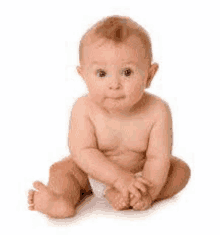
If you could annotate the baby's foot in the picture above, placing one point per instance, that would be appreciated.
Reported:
(143, 204)
(48, 202)
(116, 199)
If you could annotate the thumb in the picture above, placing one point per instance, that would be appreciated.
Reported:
(145, 181)
(134, 201)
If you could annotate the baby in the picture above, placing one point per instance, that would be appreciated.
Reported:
(120, 136)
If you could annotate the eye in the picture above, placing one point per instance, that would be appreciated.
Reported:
(101, 73)
(127, 72)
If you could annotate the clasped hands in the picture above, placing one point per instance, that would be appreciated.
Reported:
(135, 191)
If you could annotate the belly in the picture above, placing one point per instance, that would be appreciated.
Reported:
(128, 160)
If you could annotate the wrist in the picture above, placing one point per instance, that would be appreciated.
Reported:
(117, 183)
(121, 179)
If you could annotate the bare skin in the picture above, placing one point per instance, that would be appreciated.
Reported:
(45, 199)
(66, 176)
(177, 179)
(121, 130)
(67, 187)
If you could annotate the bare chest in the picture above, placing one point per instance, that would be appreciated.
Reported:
(123, 141)
(115, 137)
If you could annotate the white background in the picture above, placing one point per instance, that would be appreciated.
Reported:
(39, 84)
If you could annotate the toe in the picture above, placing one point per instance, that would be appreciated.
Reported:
(122, 202)
(31, 197)
(116, 206)
(31, 208)
(39, 186)
(30, 201)
(125, 204)
(137, 206)
(30, 194)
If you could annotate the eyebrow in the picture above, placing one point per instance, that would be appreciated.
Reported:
(96, 62)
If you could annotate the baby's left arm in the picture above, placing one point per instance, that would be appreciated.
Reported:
(159, 150)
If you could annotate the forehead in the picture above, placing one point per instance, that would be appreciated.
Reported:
(122, 62)
(107, 52)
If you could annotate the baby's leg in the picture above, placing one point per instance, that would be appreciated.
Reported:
(67, 186)
(177, 179)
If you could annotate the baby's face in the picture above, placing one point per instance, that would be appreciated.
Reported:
(116, 76)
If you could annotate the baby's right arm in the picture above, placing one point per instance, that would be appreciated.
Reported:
(84, 149)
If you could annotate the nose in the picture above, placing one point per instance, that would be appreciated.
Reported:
(114, 83)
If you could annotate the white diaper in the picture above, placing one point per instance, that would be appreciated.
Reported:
(98, 188)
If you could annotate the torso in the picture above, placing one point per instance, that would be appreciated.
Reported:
(125, 141)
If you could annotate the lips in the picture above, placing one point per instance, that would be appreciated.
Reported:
(116, 97)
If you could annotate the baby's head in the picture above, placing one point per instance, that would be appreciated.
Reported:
(116, 63)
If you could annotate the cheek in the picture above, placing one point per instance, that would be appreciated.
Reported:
(95, 91)
(92, 86)
(136, 89)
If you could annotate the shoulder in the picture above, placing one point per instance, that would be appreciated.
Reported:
(81, 106)
(160, 107)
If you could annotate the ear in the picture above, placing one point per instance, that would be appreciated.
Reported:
(80, 71)
(152, 71)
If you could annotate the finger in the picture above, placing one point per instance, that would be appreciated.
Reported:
(134, 201)
(141, 186)
(145, 181)
(138, 205)
(135, 192)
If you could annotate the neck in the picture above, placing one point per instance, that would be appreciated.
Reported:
(120, 114)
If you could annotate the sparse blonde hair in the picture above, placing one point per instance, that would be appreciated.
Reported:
(117, 29)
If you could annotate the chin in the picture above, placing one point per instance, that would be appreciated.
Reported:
(118, 107)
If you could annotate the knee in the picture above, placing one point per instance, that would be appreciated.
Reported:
(65, 165)
(57, 167)
(184, 172)
(187, 170)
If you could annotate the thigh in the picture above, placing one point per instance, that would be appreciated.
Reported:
(179, 170)
(179, 165)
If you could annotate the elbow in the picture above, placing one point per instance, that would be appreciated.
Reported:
(80, 152)
(85, 150)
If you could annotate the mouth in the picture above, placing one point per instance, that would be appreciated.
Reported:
(117, 98)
